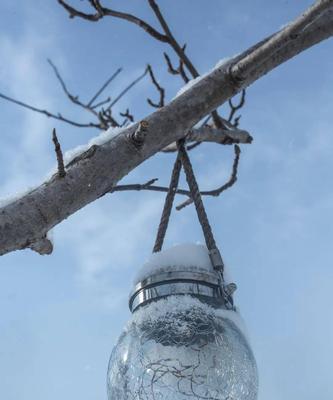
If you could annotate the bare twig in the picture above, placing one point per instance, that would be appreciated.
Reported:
(127, 115)
(104, 86)
(149, 186)
(182, 71)
(104, 116)
(167, 37)
(215, 192)
(158, 87)
(101, 103)
(60, 158)
(150, 182)
(233, 176)
(219, 190)
(180, 51)
(171, 69)
(107, 120)
(192, 146)
(127, 88)
(103, 11)
(49, 114)
(72, 98)
(235, 108)
(177, 71)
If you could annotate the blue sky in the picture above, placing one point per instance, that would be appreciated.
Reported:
(61, 314)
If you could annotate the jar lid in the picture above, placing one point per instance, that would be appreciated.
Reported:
(204, 285)
(185, 269)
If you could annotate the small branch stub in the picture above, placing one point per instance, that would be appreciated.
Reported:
(60, 158)
(43, 246)
(138, 137)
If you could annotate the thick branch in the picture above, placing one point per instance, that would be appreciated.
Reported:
(95, 172)
(282, 38)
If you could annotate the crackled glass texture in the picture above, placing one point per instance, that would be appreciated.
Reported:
(182, 355)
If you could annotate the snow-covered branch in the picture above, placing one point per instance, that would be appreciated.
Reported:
(214, 135)
(26, 221)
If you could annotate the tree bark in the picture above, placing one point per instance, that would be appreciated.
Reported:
(26, 221)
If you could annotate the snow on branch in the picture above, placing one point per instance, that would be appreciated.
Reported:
(93, 173)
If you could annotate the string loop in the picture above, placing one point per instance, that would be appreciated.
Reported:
(184, 160)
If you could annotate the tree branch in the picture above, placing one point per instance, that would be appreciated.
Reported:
(60, 158)
(176, 71)
(103, 11)
(180, 51)
(96, 171)
(127, 115)
(49, 114)
(207, 133)
(221, 189)
(167, 37)
(282, 38)
(127, 88)
(158, 87)
(151, 187)
(101, 90)
(72, 98)
(235, 108)
(104, 116)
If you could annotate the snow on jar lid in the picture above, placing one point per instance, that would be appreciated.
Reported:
(181, 270)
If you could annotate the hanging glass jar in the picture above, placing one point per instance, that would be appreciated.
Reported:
(185, 340)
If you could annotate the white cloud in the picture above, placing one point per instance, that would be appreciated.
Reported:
(108, 239)
(28, 149)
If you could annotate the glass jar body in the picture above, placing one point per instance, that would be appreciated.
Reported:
(180, 349)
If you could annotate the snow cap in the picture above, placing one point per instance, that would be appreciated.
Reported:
(181, 270)
(189, 257)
